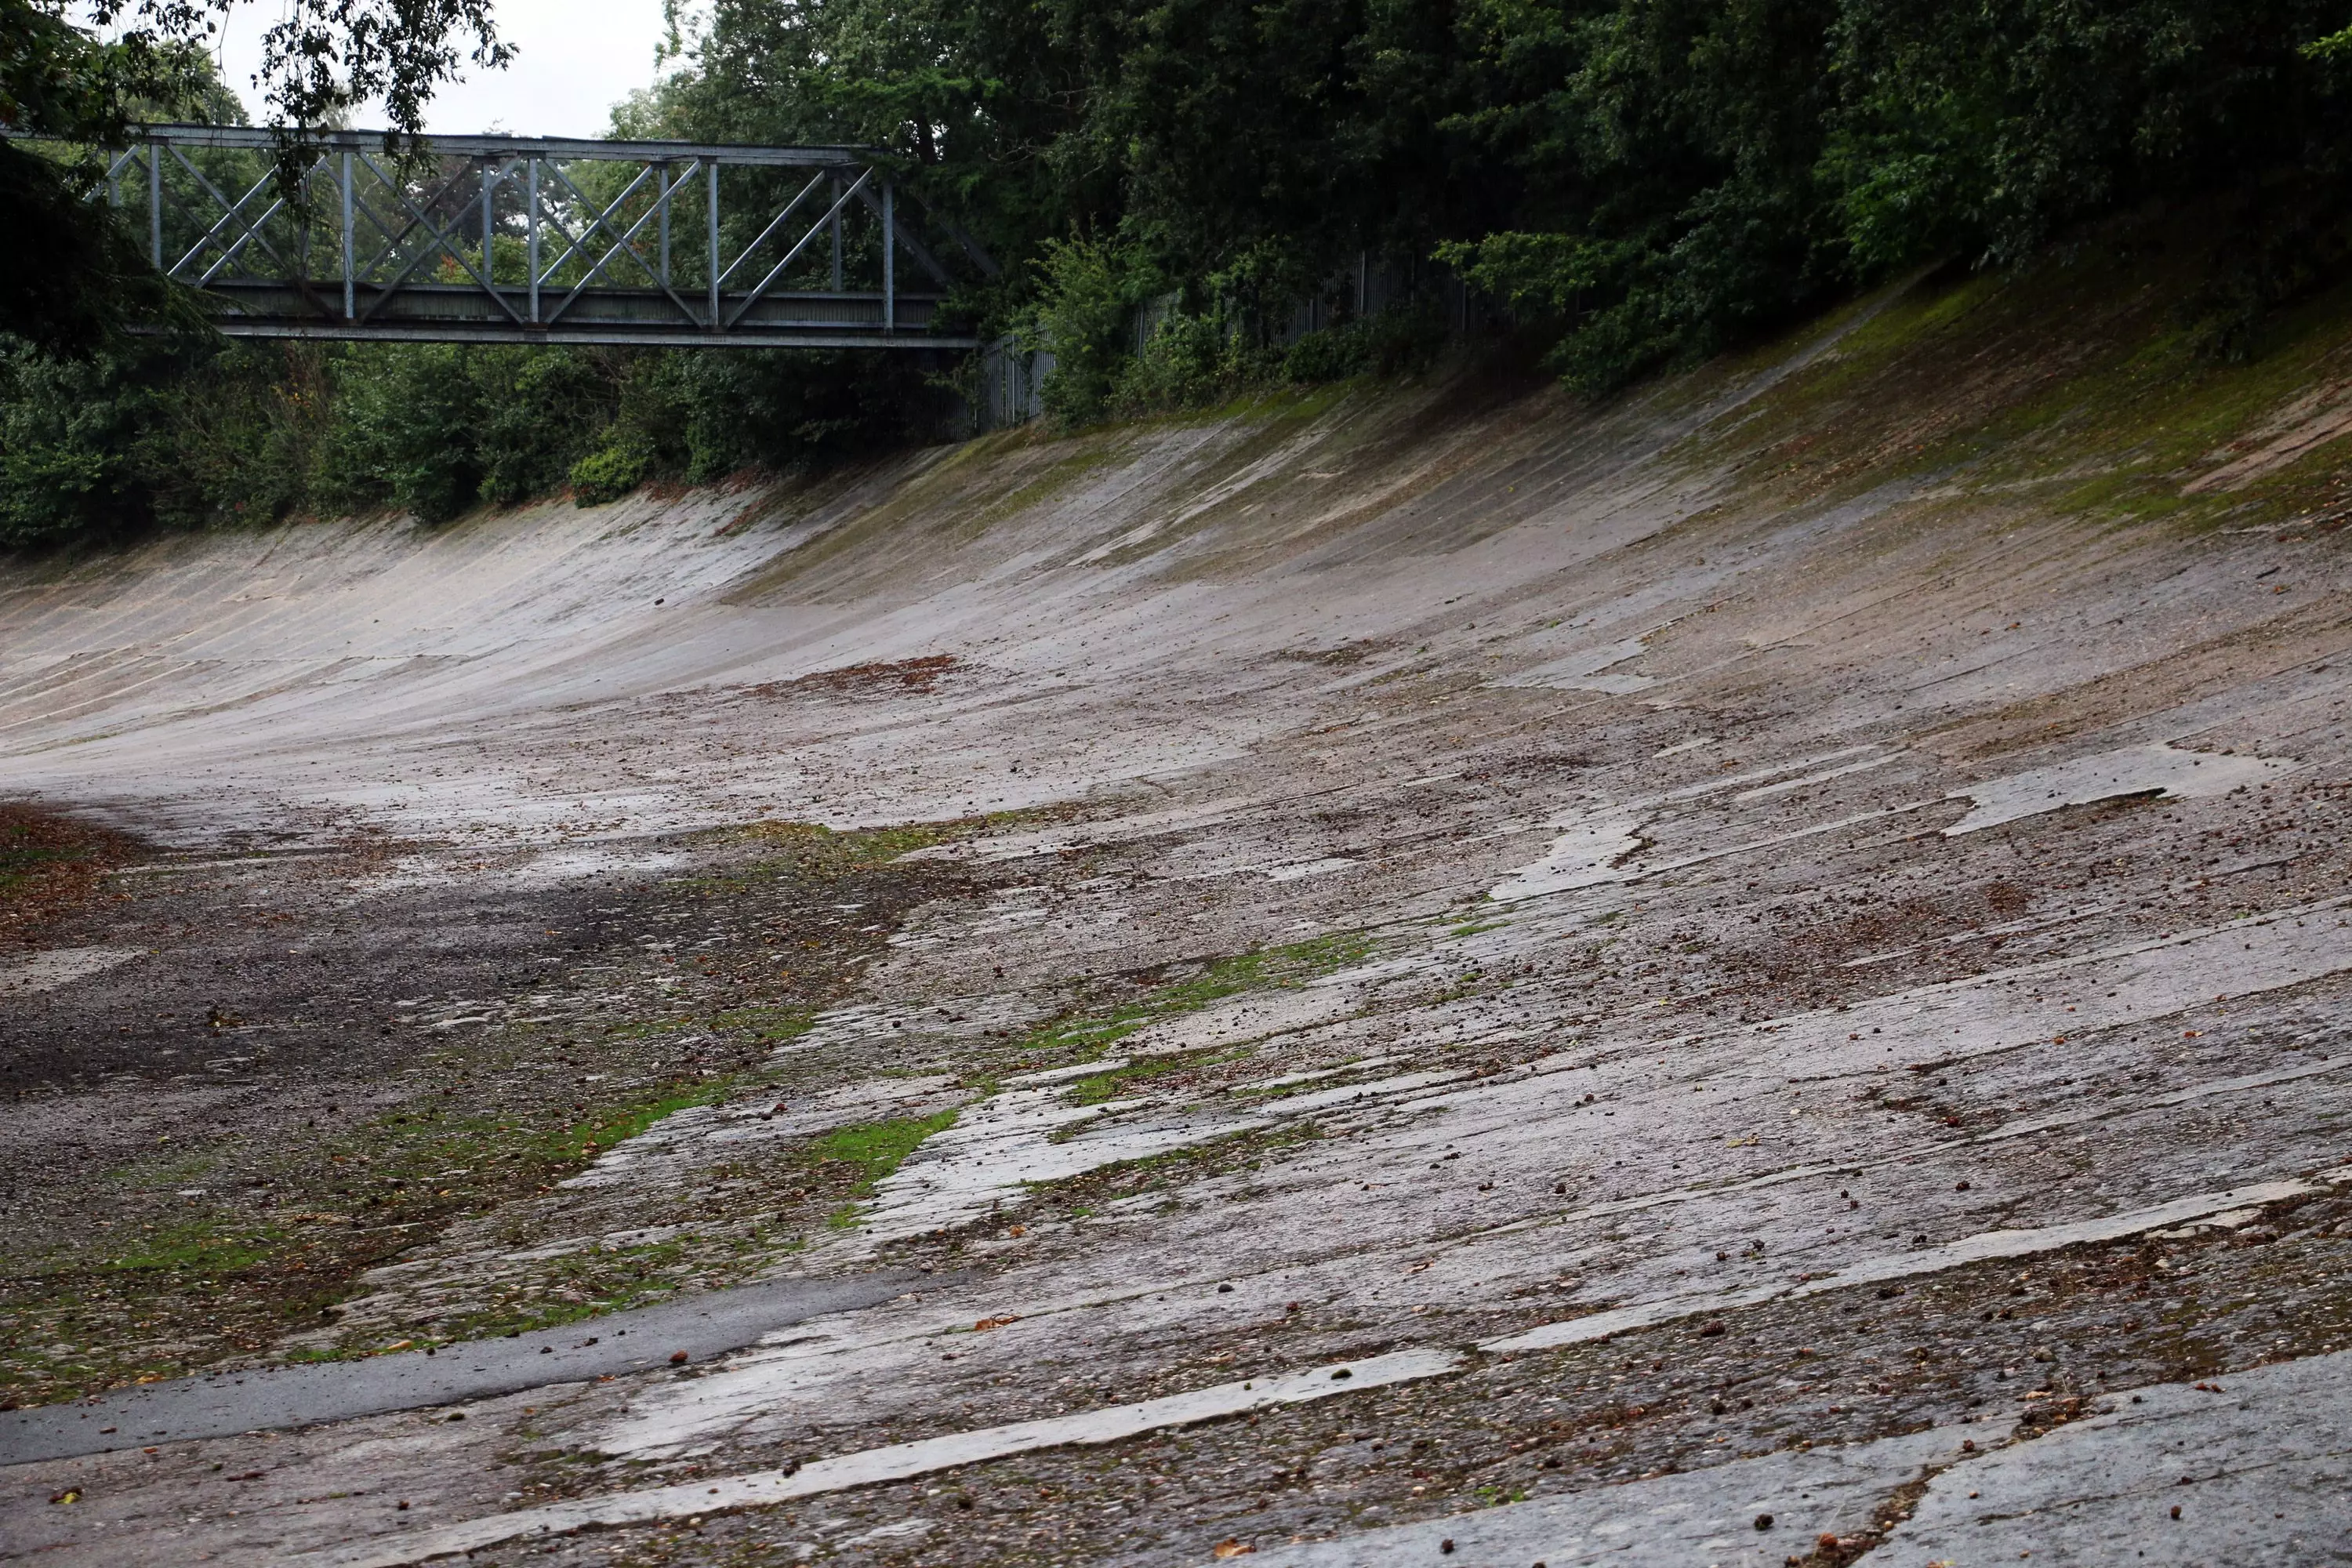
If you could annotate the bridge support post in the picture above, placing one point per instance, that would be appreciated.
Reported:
(349, 277)
(711, 166)
(666, 187)
(531, 242)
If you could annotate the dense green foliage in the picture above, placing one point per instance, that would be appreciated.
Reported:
(1630, 184)
(1644, 181)
(186, 434)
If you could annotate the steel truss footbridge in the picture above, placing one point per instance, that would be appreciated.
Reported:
(540, 239)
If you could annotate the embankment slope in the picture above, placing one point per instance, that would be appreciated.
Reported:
(1776, 929)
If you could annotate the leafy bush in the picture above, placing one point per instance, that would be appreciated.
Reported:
(612, 470)
(1189, 361)
(156, 431)
(1086, 290)
(436, 429)
(1387, 342)
(65, 430)
(711, 414)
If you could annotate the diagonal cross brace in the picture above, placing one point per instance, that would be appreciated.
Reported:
(579, 246)
(775, 223)
(957, 232)
(620, 243)
(856, 187)
(914, 246)
(230, 214)
(393, 239)
(441, 241)
(365, 271)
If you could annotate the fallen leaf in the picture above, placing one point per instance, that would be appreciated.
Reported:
(1221, 1548)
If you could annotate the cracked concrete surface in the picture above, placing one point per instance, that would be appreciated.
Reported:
(1705, 995)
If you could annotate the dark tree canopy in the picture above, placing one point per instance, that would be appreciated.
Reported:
(1656, 177)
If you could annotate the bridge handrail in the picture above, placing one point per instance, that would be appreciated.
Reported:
(262, 139)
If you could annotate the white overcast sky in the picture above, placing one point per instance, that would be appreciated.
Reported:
(575, 59)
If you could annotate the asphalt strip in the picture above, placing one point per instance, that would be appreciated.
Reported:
(636, 1341)
(902, 1461)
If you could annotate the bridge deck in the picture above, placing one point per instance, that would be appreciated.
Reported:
(433, 312)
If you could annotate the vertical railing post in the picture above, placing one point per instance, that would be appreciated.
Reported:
(156, 204)
(711, 166)
(836, 192)
(531, 241)
(490, 186)
(664, 177)
(350, 281)
(889, 258)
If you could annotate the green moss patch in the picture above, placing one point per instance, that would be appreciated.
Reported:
(2083, 384)
(875, 1149)
(582, 1141)
(1080, 1036)
(1116, 1081)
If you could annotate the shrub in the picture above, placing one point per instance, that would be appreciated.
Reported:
(1389, 342)
(439, 428)
(1189, 361)
(612, 470)
(1087, 289)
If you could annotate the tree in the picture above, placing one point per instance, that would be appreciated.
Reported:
(82, 75)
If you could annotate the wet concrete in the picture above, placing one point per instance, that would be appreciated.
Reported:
(2173, 1473)
(1728, 968)
(2251, 1468)
(1755, 1513)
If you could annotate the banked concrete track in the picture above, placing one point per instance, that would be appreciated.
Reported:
(1803, 1006)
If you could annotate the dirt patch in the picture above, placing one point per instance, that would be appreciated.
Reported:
(52, 865)
(917, 674)
(270, 1136)
(1343, 655)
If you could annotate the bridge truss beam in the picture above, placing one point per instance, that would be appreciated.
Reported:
(539, 240)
